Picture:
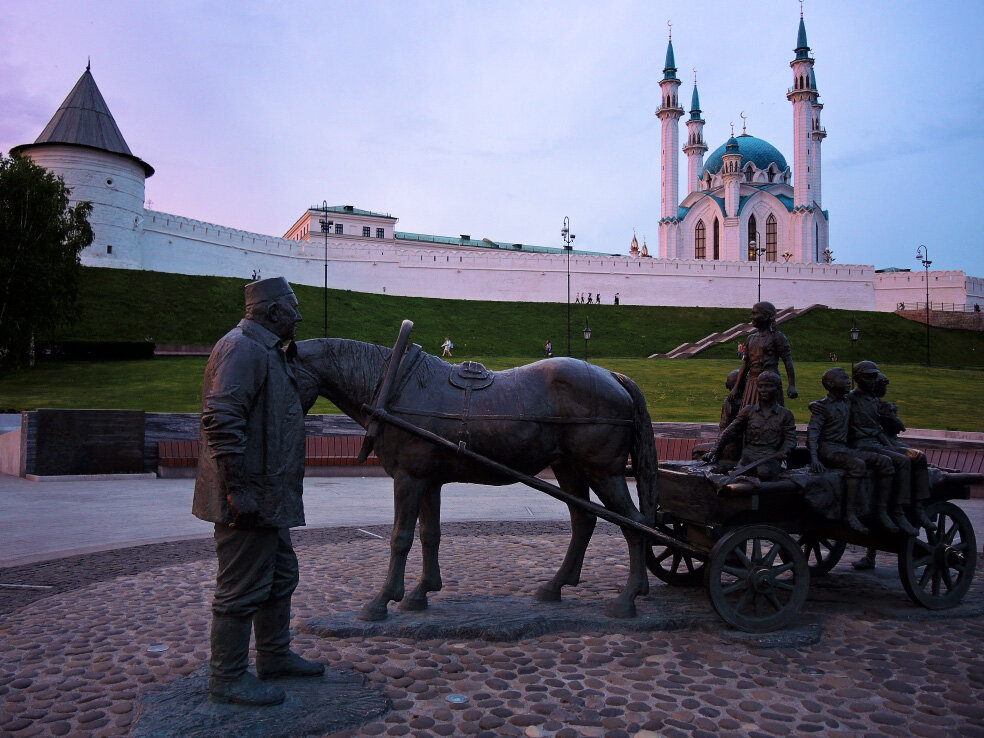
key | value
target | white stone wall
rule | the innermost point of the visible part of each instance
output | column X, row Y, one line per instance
column 114, row 185
column 176, row 244
column 955, row 287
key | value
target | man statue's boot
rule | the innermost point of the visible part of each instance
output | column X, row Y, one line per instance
column 898, row 509
column 271, row 624
column 230, row 681
column 852, row 487
column 884, row 493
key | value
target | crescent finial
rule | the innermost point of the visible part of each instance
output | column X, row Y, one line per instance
column 670, row 26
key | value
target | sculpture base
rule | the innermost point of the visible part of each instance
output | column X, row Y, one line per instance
column 516, row 618
column 314, row 706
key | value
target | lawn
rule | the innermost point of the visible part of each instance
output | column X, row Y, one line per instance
column 675, row 390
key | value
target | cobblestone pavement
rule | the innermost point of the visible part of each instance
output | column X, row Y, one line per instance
column 75, row 659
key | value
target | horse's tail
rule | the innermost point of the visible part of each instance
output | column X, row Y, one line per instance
column 644, row 461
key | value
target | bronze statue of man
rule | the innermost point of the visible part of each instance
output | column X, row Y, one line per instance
column 827, row 439
column 866, row 434
column 249, row 484
column 766, row 428
column 763, row 351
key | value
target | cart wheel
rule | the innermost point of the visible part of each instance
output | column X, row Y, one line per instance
column 757, row 578
column 673, row 567
column 937, row 567
column 822, row 553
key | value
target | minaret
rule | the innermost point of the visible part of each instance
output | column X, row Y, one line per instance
column 817, row 134
column 807, row 136
column 695, row 148
column 669, row 114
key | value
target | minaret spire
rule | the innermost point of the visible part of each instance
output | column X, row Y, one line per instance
column 669, row 114
column 695, row 147
column 809, row 222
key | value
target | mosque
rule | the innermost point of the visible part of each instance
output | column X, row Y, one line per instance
column 747, row 224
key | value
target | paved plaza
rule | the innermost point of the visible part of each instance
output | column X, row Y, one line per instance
column 105, row 590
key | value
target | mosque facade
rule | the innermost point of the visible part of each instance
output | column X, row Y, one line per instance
column 748, row 225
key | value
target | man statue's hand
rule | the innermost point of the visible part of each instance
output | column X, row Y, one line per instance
column 816, row 467
column 245, row 511
column 710, row 457
column 791, row 392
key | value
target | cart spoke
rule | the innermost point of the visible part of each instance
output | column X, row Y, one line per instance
column 926, row 576
column 735, row 587
column 950, row 533
column 782, row 568
column 662, row 556
column 759, row 608
column 739, row 553
column 774, row 601
column 770, row 557
column 817, row 551
column 743, row 600
column 937, row 581
column 924, row 561
column 735, row 571
column 789, row 586
column 756, row 550
column 947, row 580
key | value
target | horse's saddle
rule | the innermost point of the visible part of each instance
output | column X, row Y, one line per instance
column 470, row 375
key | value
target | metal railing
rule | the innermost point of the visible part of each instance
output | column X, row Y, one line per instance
column 944, row 307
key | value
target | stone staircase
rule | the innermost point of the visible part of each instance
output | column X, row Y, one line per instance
column 689, row 350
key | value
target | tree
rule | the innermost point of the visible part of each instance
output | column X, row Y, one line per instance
column 41, row 237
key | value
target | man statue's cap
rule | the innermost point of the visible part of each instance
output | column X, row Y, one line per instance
column 267, row 289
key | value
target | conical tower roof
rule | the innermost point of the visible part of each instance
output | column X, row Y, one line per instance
column 83, row 119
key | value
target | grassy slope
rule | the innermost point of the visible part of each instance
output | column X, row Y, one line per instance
column 674, row 390
column 129, row 305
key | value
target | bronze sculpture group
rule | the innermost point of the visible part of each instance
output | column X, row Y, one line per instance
column 580, row 420
column 854, row 431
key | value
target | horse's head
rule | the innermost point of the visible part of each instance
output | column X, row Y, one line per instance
column 343, row 371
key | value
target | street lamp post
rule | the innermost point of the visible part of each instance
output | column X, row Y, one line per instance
column 568, row 237
column 922, row 253
column 855, row 335
column 587, row 337
column 757, row 255
column 325, row 228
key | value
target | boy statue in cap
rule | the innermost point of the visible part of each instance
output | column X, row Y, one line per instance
column 827, row 437
column 867, row 434
column 249, row 483
column 766, row 429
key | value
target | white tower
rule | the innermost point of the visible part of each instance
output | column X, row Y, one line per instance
column 83, row 144
column 695, row 148
column 807, row 136
column 669, row 114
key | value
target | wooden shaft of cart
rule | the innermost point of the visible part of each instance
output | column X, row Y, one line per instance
column 396, row 359
column 538, row 484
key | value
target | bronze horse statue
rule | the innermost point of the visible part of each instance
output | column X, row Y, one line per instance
column 580, row 420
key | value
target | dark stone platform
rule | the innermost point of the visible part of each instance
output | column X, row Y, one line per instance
column 515, row 618
column 337, row 701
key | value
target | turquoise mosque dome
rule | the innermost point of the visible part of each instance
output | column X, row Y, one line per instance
column 755, row 150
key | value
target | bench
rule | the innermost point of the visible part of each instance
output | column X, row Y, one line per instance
column 322, row 455
column 674, row 449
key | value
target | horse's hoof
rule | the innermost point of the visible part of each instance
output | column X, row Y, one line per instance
column 414, row 604
column 373, row 613
column 546, row 594
column 620, row 609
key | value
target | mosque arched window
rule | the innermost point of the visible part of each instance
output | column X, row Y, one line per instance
column 749, row 173
column 751, row 237
column 771, row 238
column 717, row 239
column 700, row 241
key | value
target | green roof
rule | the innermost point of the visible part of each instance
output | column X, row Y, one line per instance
column 487, row 243
column 669, row 68
column 350, row 210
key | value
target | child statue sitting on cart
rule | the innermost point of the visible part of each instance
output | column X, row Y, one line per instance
column 766, row 430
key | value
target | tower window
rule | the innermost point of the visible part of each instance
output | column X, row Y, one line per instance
column 109, row 248
column 752, row 227
column 379, row 233
column 771, row 238
column 700, row 241
column 717, row 239
column 365, row 231
column 338, row 229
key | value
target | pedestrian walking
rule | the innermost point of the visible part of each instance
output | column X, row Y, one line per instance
column 548, row 349
column 447, row 346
